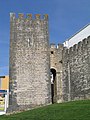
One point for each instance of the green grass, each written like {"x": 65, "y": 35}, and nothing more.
{"x": 79, "y": 110}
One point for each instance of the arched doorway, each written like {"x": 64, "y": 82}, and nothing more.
{"x": 53, "y": 85}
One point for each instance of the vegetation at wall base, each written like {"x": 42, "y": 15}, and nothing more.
{"x": 1, "y": 109}
{"x": 75, "y": 110}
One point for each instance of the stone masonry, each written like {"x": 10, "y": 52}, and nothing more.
{"x": 33, "y": 61}
{"x": 76, "y": 71}
{"x": 56, "y": 64}
{"x": 29, "y": 62}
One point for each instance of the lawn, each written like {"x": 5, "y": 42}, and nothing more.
{"x": 79, "y": 110}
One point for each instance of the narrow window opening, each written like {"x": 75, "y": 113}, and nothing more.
{"x": 51, "y": 52}
{"x": 60, "y": 61}
{"x": 30, "y": 42}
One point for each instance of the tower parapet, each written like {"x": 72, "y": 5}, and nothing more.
{"x": 46, "y": 16}
{"x": 36, "y": 16}
{"x": 21, "y": 15}
{"x": 52, "y": 45}
{"x": 29, "y": 16}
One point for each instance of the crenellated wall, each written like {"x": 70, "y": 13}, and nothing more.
{"x": 76, "y": 71}
{"x": 29, "y": 61}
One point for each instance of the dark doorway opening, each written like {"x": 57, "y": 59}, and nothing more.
{"x": 53, "y": 85}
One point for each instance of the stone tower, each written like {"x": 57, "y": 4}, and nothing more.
{"x": 56, "y": 71}
{"x": 29, "y": 62}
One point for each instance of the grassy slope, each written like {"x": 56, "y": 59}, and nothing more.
{"x": 79, "y": 110}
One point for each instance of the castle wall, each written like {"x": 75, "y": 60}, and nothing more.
{"x": 76, "y": 71}
{"x": 65, "y": 77}
{"x": 29, "y": 61}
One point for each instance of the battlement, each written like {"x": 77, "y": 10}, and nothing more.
{"x": 29, "y": 16}
{"x": 59, "y": 46}
{"x": 80, "y": 45}
{"x": 52, "y": 45}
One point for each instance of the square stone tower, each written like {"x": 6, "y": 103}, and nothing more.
{"x": 29, "y": 62}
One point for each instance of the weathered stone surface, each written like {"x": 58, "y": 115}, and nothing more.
{"x": 56, "y": 63}
{"x": 76, "y": 71}
{"x": 29, "y": 61}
